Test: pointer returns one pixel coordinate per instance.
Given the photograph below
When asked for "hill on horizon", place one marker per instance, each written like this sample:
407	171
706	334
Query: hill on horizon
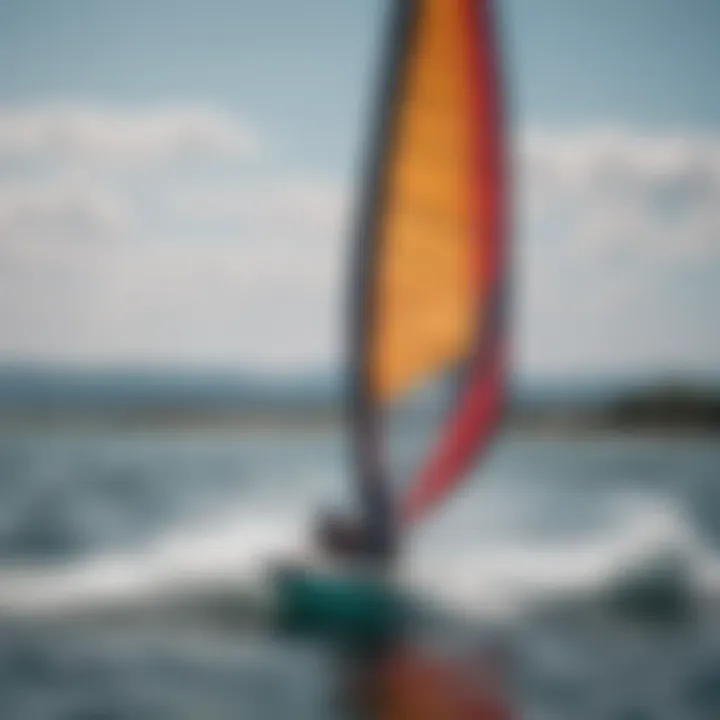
40	385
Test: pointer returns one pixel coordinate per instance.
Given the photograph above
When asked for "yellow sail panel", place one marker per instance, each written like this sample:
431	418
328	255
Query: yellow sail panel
425	313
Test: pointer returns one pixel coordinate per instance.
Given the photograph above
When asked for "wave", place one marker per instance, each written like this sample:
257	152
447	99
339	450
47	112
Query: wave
651	541
227	566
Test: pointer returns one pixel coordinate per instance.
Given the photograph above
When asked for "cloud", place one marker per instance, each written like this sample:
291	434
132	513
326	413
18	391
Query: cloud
101	136
162	302
616	260
619	254
610	191
60	212
285	204
166	267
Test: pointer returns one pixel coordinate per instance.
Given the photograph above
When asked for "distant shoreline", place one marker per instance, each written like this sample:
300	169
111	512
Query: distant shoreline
127	402
548	424
168	420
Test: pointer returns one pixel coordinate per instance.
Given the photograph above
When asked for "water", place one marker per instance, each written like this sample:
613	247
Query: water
598	558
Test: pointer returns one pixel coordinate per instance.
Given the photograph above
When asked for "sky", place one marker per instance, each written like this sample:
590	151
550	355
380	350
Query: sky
177	181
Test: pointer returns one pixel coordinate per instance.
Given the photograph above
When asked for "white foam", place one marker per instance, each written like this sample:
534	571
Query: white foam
504	578
498	578
234	554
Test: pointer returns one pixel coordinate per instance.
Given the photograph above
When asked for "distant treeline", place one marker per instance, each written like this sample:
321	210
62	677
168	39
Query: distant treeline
668	406
674	405
213	400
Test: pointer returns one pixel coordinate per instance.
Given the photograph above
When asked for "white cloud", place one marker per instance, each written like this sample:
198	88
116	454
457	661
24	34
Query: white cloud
616	266
83	134
174	266
619	260
168	303
621	191
285	204
60	212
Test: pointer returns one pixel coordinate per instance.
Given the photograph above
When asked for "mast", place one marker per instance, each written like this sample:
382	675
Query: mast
378	512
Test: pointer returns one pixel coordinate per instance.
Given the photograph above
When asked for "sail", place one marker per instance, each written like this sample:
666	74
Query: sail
431	266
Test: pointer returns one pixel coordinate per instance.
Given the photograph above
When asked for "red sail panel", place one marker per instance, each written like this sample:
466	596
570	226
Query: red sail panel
476	416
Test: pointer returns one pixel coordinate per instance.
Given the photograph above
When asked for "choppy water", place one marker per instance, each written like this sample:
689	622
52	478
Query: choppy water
599	559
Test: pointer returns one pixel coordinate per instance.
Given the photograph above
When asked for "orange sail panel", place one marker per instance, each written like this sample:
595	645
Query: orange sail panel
432	283
425	308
